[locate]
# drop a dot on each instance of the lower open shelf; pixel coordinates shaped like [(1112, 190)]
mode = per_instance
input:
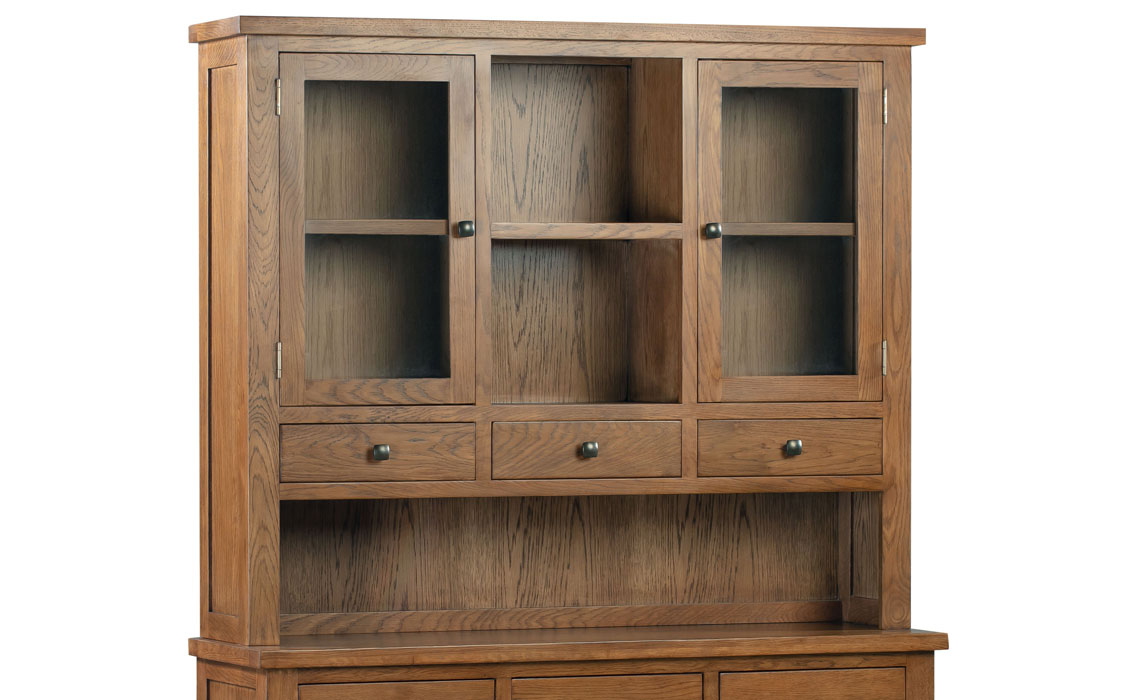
[(610, 644)]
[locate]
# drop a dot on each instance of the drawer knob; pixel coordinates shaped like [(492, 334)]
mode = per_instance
[(466, 229), (794, 447), (713, 230), (381, 452), (589, 449)]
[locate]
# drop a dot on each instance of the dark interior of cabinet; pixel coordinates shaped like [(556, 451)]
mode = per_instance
[(376, 306), (788, 305), (375, 150), (392, 556), (586, 321), (596, 141), (788, 154)]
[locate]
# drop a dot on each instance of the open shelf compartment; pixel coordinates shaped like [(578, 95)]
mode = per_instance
[(586, 140), (586, 321)]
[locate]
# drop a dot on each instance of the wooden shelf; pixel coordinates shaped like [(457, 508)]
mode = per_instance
[(378, 227), (789, 229), (612, 231), (613, 643)]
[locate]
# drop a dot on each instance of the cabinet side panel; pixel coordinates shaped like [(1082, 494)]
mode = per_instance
[(229, 348)]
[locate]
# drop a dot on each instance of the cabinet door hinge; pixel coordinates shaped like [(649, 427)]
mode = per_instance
[(884, 359), (886, 102), (279, 97), (279, 360)]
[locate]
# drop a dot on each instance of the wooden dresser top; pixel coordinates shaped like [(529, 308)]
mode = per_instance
[(573, 31)]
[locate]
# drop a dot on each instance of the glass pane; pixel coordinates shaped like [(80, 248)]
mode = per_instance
[(788, 305), (788, 154), (375, 150), (376, 306)]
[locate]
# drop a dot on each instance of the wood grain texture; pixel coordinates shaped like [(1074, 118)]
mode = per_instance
[(581, 31), (372, 556), (920, 676), (866, 562), (375, 149), (570, 321), (896, 499), (220, 681), (379, 227), (376, 307), (788, 229), (788, 154), (788, 306), (560, 618), (619, 231), (488, 488), (846, 684), (756, 448), (553, 450), (561, 142), (655, 687), (430, 690), (419, 452), (716, 644), (655, 140), (217, 690)]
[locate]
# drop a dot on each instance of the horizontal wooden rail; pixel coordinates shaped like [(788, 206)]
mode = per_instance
[(378, 227), (612, 231)]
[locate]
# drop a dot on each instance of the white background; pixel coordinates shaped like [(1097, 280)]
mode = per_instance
[(1025, 334)]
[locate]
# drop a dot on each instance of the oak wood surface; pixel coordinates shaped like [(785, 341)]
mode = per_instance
[(570, 321), (559, 618), (375, 556), (429, 690), (379, 227), (581, 31), (553, 450), (418, 452), (609, 644), (647, 687), (845, 684), (618, 231), (757, 448)]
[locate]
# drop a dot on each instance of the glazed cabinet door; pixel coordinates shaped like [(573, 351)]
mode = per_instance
[(791, 231), (377, 229)]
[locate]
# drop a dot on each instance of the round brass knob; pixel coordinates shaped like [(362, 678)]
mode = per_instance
[(793, 448), (381, 452), (589, 449)]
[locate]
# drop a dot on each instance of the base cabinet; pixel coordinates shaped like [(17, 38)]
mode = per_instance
[(843, 684)]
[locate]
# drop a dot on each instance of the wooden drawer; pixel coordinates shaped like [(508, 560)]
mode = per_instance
[(844, 684), (431, 690), (658, 687), (757, 447), (418, 452), (553, 449)]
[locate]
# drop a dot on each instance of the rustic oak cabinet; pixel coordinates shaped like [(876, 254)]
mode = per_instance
[(554, 361)]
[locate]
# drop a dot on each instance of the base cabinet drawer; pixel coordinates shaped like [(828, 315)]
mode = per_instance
[(427, 690), (586, 449), (846, 684), (686, 686), (849, 446), (378, 452)]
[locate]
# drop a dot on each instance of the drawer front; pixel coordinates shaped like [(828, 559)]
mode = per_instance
[(759, 447), (846, 684), (416, 452), (659, 687), (554, 450), (433, 690)]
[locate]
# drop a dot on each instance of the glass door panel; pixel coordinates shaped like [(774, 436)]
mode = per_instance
[(791, 245), (377, 223)]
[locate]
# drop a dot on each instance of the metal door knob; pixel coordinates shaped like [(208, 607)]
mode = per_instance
[(589, 449), (381, 452), (793, 448), (466, 229), (712, 230)]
